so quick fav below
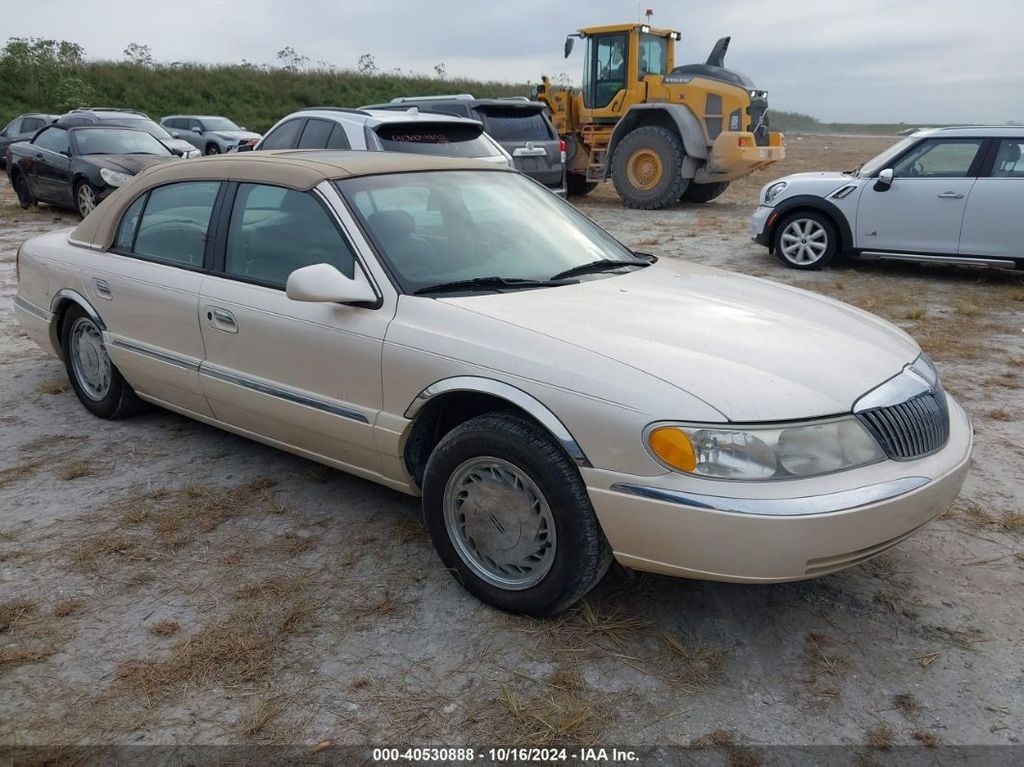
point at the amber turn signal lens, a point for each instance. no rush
(673, 447)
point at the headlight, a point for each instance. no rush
(113, 178)
(774, 191)
(764, 452)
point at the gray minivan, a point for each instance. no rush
(521, 127)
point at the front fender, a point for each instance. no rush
(812, 202)
(690, 129)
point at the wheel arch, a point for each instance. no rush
(675, 117)
(62, 301)
(445, 404)
(806, 202)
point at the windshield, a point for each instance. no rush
(117, 141)
(149, 126)
(884, 160)
(444, 226)
(218, 123)
(517, 125)
(444, 139)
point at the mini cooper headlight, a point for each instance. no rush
(114, 178)
(774, 191)
(764, 452)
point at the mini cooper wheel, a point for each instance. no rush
(85, 198)
(806, 240)
(25, 198)
(99, 385)
(510, 516)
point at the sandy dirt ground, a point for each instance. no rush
(164, 582)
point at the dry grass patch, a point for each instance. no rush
(914, 313)
(881, 737)
(67, 607)
(320, 473)
(966, 308)
(564, 712)
(292, 544)
(586, 627)
(19, 471)
(926, 738)
(1000, 414)
(77, 470)
(15, 611)
(56, 386)
(723, 740)
(11, 657)
(165, 628)
(266, 711)
(821, 661)
(92, 553)
(695, 666)
(907, 705)
(976, 518)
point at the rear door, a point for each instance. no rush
(994, 221)
(923, 210)
(147, 292)
(526, 134)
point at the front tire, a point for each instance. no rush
(212, 149)
(510, 517)
(647, 168)
(806, 240)
(85, 198)
(99, 385)
(701, 193)
(25, 198)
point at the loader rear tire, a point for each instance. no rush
(704, 192)
(647, 168)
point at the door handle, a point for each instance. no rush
(103, 289)
(951, 196)
(222, 319)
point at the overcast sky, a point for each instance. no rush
(841, 60)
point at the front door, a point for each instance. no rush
(305, 375)
(923, 210)
(604, 75)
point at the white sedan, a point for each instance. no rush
(449, 329)
(947, 195)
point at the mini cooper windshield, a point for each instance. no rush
(464, 231)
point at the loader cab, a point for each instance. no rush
(617, 61)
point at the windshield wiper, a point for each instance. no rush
(486, 283)
(601, 265)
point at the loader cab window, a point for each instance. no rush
(653, 56)
(604, 71)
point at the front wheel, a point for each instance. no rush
(510, 516)
(647, 168)
(700, 193)
(212, 149)
(85, 198)
(806, 240)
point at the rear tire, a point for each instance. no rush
(25, 198)
(578, 186)
(647, 168)
(806, 240)
(510, 516)
(99, 385)
(701, 193)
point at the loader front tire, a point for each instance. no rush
(647, 168)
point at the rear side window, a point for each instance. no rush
(445, 139)
(1009, 159)
(31, 124)
(175, 222)
(515, 125)
(54, 139)
(338, 138)
(315, 134)
(274, 231)
(285, 136)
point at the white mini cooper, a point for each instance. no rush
(448, 328)
(951, 195)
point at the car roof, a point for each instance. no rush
(299, 169)
(191, 117)
(974, 131)
(375, 117)
(70, 124)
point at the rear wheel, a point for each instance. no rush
(703, 192)
(25, 198)
(510, 516)
(806, 240)
(647, 168)
(99, 385)
(85, 198)
(578, 186)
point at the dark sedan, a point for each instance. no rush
(21, 128)
(77, 167)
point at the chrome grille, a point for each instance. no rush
(910, 429)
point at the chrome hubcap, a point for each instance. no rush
(804, 241)
(499, 523)
(86, 200)
(89, 361)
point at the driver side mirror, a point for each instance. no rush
(197, 130)
(884, 180)
(322, 283)
(569, 43)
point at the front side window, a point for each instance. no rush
(175, 222)
(274, 231)
(13, 128)
(315, 134)
(939, 158)
(284, 136)
(436, 227)
(1009, 159)
(653, 55)
(53, 139)
(607, 60)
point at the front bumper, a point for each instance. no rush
(736, 154)
(761, 224)
(778, 531)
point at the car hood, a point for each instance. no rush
(752, 349)
(126, 163)
(236, 134)
(820, 183)
(177, 145)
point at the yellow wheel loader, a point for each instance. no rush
(662, 133)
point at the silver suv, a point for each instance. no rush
(521, 126)
(208, 133)
(384, 131)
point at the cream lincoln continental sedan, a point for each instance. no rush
(450, 329)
